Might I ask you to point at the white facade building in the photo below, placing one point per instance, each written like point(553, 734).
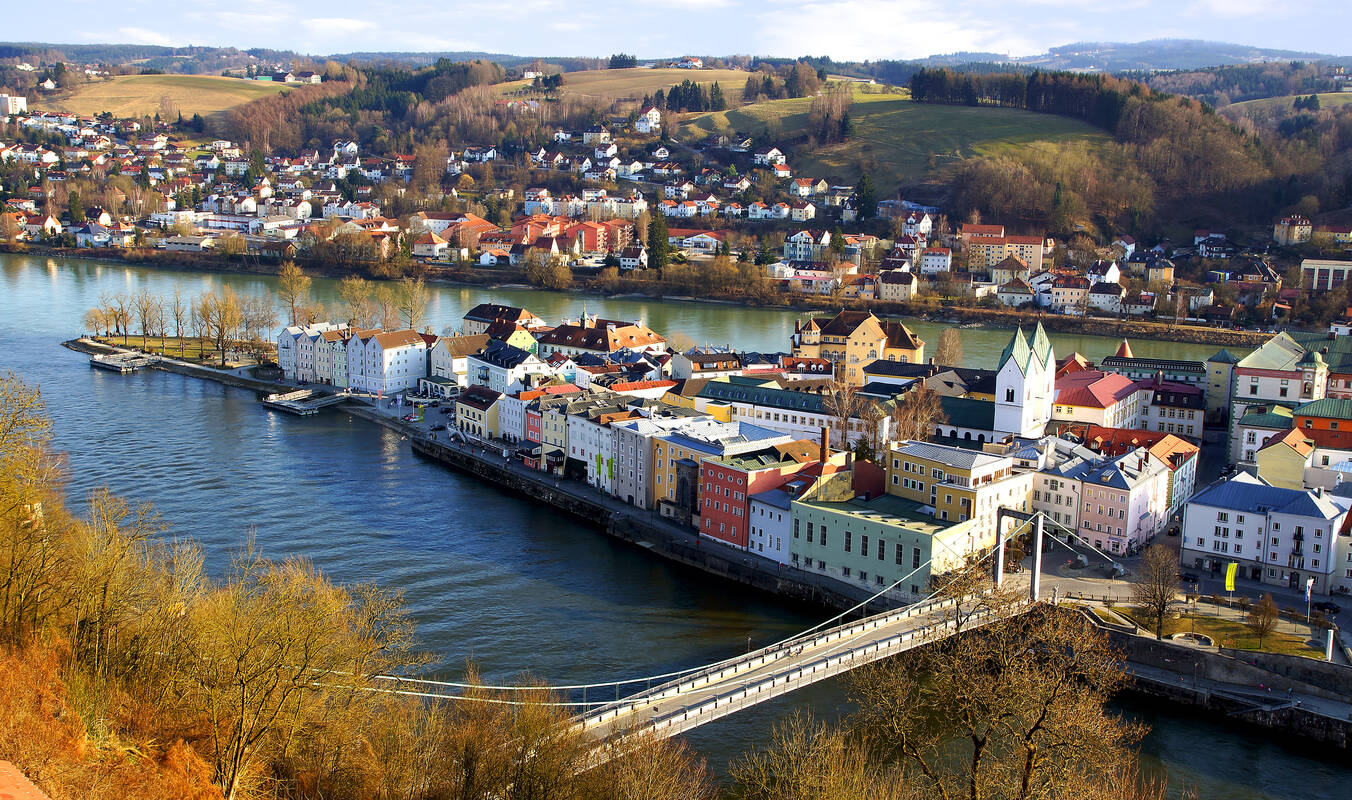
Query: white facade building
point(1280, 537)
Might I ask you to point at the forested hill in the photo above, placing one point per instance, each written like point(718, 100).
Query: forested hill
point(1172, 160)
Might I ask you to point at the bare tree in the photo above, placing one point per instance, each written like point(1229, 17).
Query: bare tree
point(1155, 585)
point(917, 414)
point(1017, 712)
point(148, 313)
point(387, 306)
point(355, 292)
point(178, 310)
point(121, 306)
point(222, 316)
point(258, 320)
point(843, 402)
point(1262, 619)
point(412, 299)
point(949, 350)
point(293, 286)
point(809, 760)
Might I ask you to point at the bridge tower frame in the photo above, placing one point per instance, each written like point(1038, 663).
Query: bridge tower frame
point(1034, 585)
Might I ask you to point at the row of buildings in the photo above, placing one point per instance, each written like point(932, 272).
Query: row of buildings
point(753, 450)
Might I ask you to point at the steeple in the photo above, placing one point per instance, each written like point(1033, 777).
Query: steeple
point(1124, 350)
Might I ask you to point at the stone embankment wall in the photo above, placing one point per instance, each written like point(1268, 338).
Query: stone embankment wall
point(1194, 671)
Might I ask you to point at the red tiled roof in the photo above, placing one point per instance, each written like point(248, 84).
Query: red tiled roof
point(1092, 388)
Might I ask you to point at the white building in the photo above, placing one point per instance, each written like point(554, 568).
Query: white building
point(1280, 537)
point(386, 362)
point(449, 357)
point(770, 522)
point(505, 368)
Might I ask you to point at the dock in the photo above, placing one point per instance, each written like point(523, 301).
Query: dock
point(122, 363)
point(302, 402)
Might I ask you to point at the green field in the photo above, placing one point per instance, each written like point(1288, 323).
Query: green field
point(1326, 99)
point(615, 84)
point(137, 95)
point(903, 143)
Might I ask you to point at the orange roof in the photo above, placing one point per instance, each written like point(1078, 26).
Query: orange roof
point(1293, 439)
point(1173, 450)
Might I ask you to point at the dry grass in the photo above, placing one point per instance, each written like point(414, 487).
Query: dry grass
point(135, 95)
point(903, 143)
point(615, 84)
point(1326, 100)
point(1233, 633)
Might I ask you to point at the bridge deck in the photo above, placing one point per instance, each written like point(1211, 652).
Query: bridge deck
point(711, 694)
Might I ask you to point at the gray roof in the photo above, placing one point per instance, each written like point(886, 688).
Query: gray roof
point(953, 456)
point(1245, 492)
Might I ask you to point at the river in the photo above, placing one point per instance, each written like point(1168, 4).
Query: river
point(490, 578)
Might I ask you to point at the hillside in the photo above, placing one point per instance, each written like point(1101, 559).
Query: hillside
point(1326, 100)
point(135, 95)
point(615, 84)
point(903, 143)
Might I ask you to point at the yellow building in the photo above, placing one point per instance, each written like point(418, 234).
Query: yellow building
point(476, 412)
point(852, 340)
point(1282, 461)
point(959, 484)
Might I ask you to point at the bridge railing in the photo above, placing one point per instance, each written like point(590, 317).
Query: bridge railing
point(718, 672)
point(681, 720)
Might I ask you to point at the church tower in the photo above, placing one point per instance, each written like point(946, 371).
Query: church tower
point(1025, 384)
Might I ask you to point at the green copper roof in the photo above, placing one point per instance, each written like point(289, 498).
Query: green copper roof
point(1042, 346)
point(1224, 357)
point(1329, 407)
point(1025, 351)
point(1017, 349)
point(1274, 417)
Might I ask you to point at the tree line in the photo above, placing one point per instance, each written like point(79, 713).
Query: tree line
point(689, 96)
point(221, 317)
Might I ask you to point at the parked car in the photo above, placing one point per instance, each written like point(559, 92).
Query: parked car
point(1328, 607)
point(438, 427)
point(1188, 577)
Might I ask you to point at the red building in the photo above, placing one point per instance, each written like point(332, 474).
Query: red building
point(726, 484)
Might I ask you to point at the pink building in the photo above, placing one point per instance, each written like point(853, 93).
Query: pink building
point(1124, 502)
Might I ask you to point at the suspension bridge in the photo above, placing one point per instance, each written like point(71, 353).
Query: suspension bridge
point(672, 703)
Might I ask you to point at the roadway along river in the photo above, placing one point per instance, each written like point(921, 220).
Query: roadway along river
point(489, 577)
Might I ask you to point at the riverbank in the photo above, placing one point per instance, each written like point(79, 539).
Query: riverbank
point(931, 310)
point(1302, 697)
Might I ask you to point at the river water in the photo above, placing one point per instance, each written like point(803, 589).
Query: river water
point(491, 579)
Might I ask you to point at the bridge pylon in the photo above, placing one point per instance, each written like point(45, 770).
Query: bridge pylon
point(1034, 585)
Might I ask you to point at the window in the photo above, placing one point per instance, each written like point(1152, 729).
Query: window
point(863, 576)
point(863, 545)
point(915, 558)
point(848, 536)
point(810, 530)
point(882, 546)
point(899, 553)
point(845, 572)
point(795, 529)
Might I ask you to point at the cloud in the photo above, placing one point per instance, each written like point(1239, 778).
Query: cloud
point(141, 36)
point(335, 26)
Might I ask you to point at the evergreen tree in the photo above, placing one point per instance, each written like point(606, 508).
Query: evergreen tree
point(659, 249)
point(75, 208)
point(716, 100)
point(866, 197)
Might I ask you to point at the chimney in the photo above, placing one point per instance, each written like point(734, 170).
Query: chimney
point(825, 449)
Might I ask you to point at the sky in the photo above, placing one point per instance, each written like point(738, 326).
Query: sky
point(842, 29)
